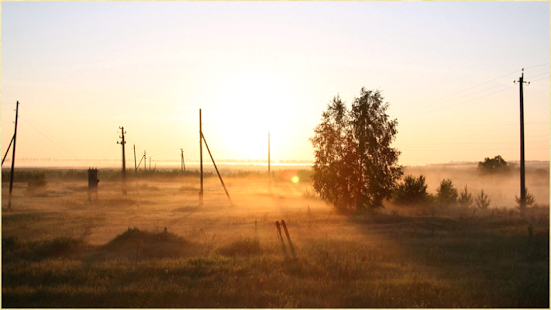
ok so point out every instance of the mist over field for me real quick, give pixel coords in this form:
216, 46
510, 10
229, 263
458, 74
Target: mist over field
156, 247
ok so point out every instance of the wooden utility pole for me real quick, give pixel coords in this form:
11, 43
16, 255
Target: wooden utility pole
522, 165
201, 157
13, 155
123, 162
269, 175
182, 164
144, 161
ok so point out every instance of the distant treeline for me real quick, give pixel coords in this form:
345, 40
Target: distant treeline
26, 175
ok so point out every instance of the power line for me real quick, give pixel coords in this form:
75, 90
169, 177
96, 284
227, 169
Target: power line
456, 104
458, 92
48, 138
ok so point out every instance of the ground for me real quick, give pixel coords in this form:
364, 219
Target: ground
156, 247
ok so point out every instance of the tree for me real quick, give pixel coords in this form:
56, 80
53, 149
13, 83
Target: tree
446, 194
465, 198
482, 201
413, 191
530, 200
493, 165
355, 167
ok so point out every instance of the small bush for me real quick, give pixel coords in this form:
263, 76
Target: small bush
465, 198
412, 191
482, 201
446, 194
530, 200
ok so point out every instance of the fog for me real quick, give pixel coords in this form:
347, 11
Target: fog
501, 188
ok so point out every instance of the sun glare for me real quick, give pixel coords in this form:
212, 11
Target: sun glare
253, 105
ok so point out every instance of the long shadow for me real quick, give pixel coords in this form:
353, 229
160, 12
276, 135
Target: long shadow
288, 238
284, 249
478, 248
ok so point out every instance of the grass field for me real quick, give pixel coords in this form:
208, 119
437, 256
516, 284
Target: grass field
156, 247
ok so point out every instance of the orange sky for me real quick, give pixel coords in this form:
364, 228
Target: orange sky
82, 69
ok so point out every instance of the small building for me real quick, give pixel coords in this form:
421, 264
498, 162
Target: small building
92, 182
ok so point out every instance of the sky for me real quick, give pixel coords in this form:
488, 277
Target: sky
81, 70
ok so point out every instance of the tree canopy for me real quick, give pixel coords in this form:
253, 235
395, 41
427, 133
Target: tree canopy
355, 167
493, 165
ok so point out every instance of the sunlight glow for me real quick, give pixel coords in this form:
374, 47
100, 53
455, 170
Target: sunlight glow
252, 105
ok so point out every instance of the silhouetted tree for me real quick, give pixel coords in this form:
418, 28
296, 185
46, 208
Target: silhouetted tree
530, 200
493, 165
446, 194
413, 191
355, 167
465, 198
482, 201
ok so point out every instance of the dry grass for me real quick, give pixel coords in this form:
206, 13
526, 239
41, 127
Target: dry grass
60, 250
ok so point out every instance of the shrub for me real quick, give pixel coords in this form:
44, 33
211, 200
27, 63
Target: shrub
446, 194
530, 200
482, 201
412, 191
465, 198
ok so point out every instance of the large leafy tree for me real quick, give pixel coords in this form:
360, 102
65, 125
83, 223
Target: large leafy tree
355, 167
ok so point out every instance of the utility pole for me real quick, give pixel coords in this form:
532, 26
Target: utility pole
269, 175
144, 161
13, 154
135, 164
522, 166
123, 162
182, 161
201, 157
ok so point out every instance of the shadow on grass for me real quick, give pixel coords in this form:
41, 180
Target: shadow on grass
490, 262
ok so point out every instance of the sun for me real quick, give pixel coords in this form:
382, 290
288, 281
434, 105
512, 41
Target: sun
253, 106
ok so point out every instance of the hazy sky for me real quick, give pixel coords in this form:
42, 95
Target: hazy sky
82, 69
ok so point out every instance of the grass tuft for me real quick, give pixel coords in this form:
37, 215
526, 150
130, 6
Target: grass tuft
246, 246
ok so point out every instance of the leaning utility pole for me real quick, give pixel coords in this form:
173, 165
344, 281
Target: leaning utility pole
135, 164
7, 151
123, 162
201, 157
13, 154
522, 166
